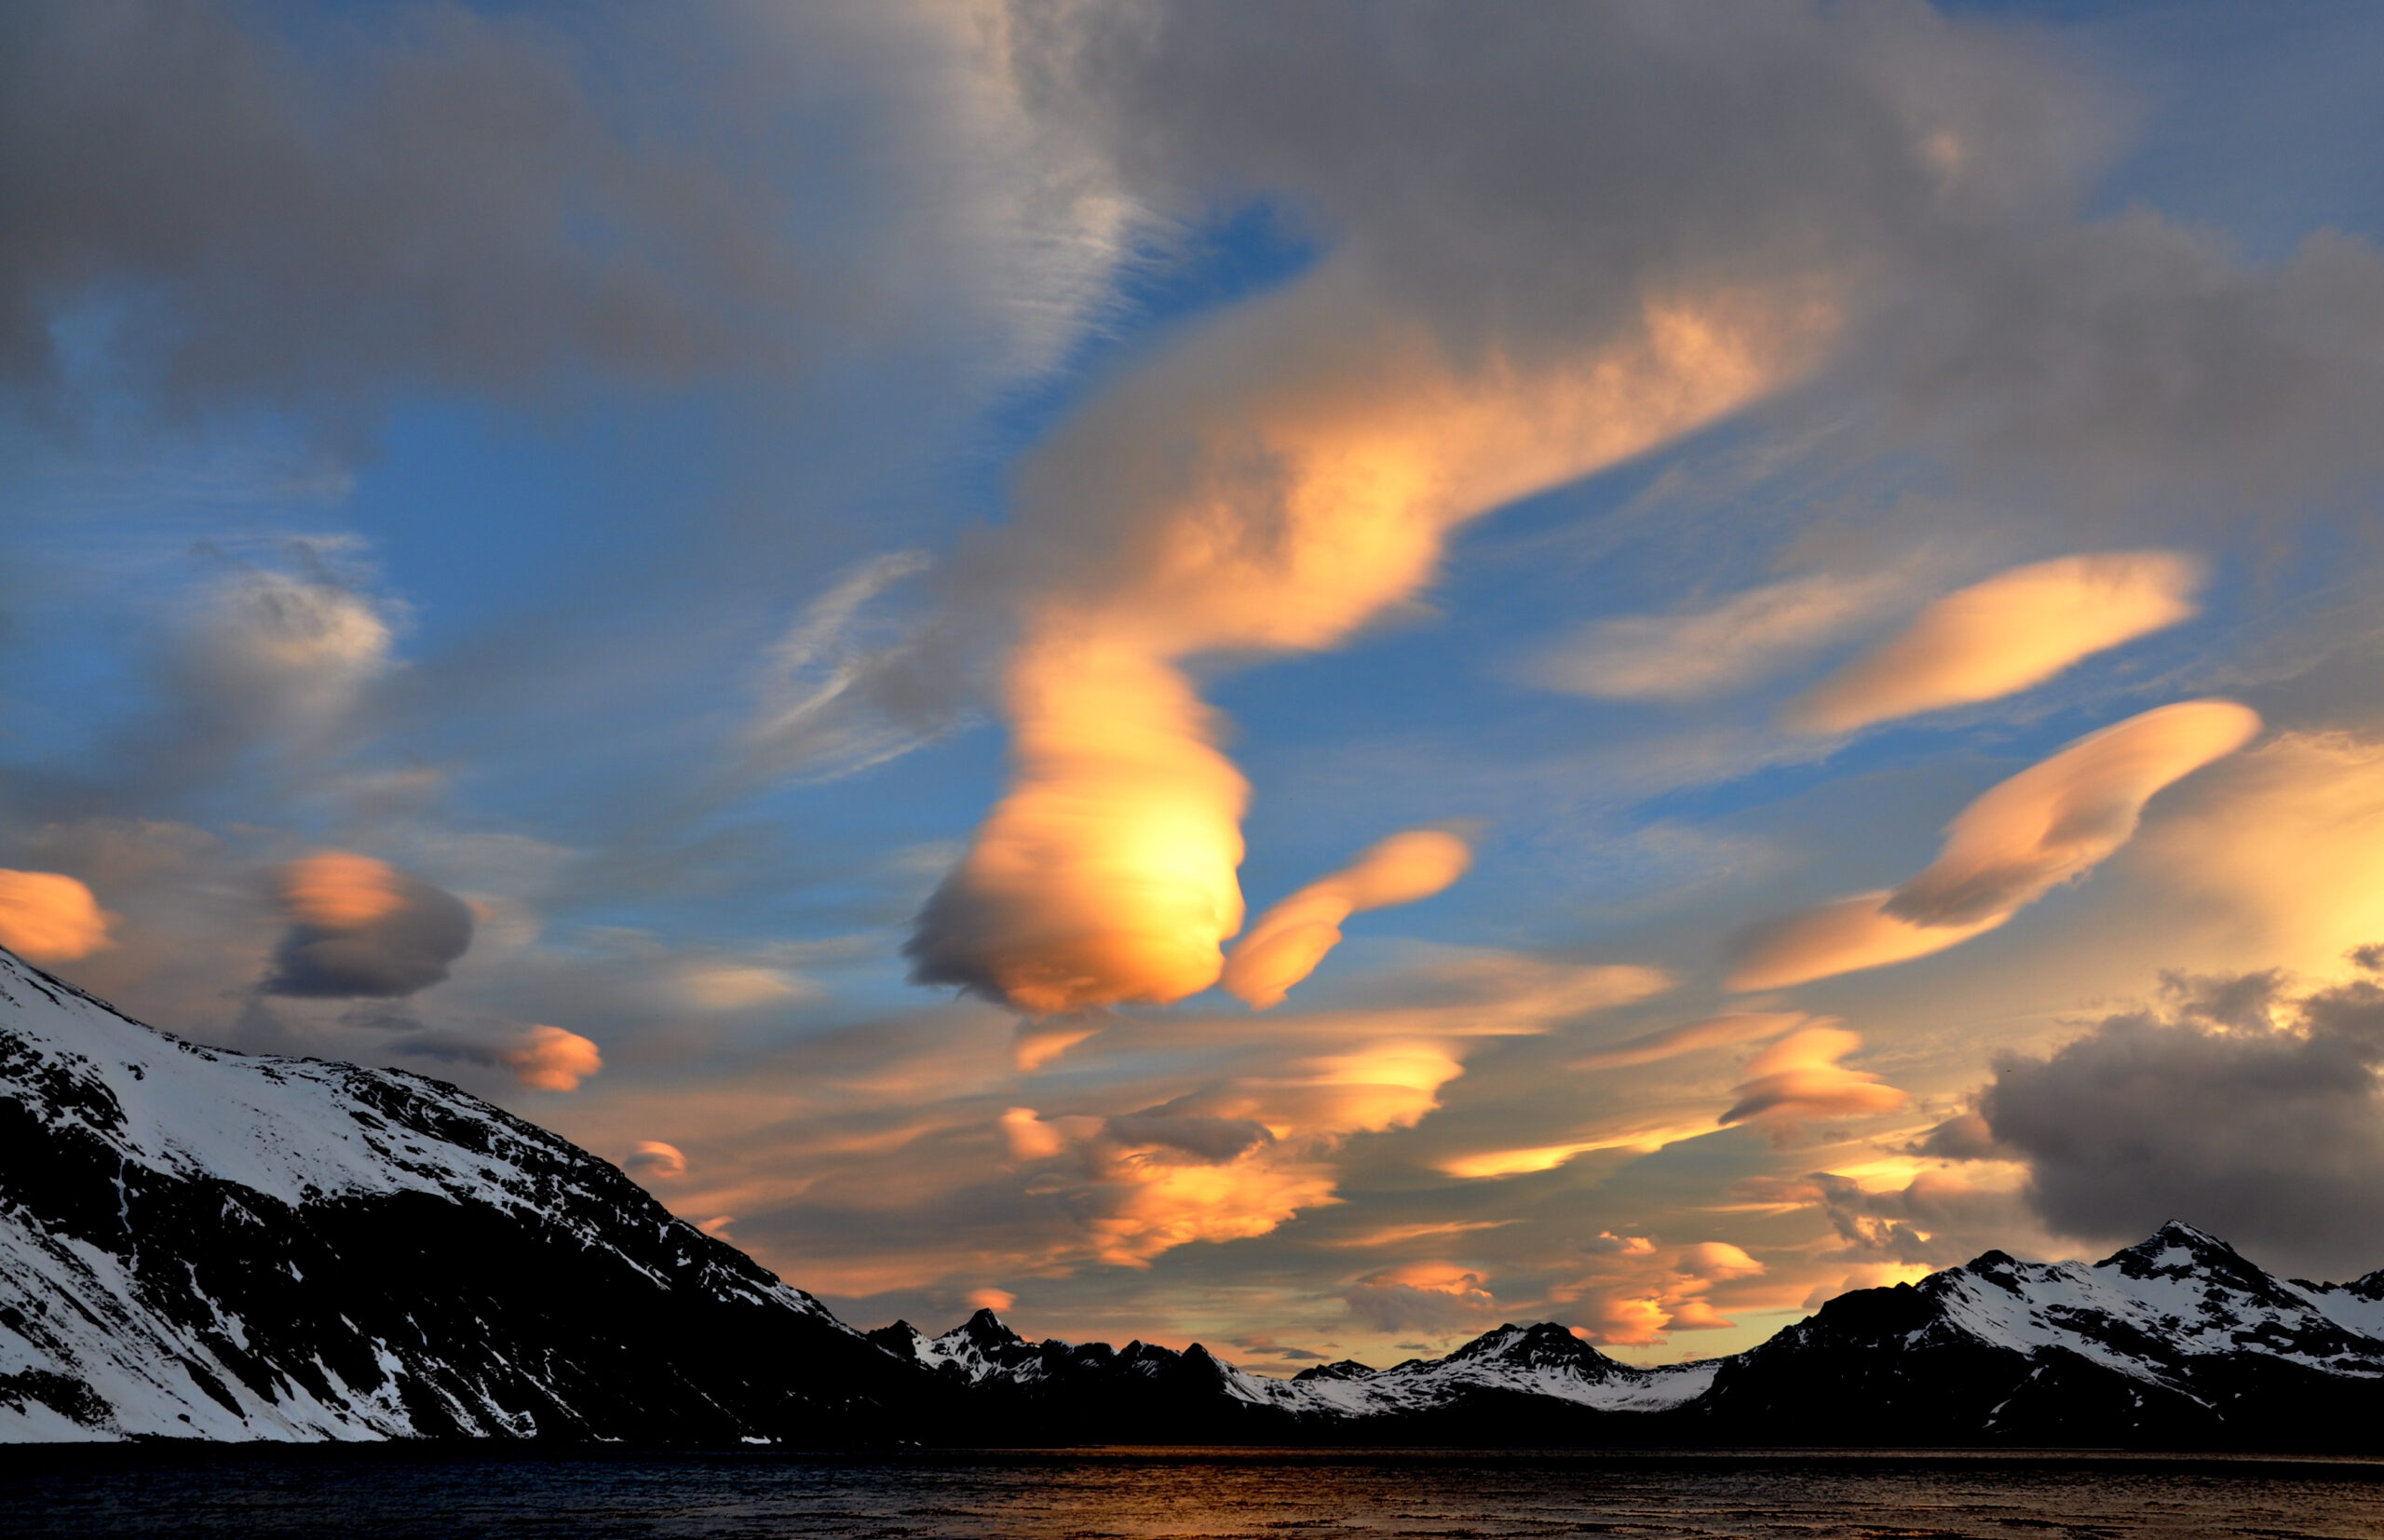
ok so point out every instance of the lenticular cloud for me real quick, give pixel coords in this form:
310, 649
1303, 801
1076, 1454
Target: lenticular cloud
1273, 486
2005, 635
48, 917
1290, 938
361, 929
2049, 824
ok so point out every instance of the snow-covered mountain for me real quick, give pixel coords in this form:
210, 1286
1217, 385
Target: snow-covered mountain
196, 1243
204, 1244
1541, 1375
2176, 1340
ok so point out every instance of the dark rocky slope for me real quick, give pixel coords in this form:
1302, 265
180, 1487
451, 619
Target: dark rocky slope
210, 1245
198, 1243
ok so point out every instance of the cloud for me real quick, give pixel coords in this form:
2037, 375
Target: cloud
2278, 849
1394, 1234
274, 661
2007, 634
1636, 1292
47, 917
1284, 477
1843, 937
361, 927
655, 1160
1291, 470
2051, 824
1934, 1218
1799, 1079
1644, 1138
2136, 363
2057, 820
2234, 1103
1232, 1161
438, 198
1431, 1299
551, 1058
833, 698
1690, 1037
1696, 655
542, 1057
1288, 941
1206, 1137
1453, 148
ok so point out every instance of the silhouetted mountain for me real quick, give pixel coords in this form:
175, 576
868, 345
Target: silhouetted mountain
202, 1243
2174, 1340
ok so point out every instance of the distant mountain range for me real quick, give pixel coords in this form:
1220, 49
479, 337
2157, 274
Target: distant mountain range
199, 1244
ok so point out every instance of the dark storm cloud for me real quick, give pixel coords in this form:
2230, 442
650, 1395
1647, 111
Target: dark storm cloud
2233, 1105
362, 929
263, 206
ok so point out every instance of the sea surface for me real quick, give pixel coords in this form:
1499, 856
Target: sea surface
1049, 1495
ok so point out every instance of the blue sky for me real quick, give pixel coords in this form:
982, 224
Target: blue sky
620, 482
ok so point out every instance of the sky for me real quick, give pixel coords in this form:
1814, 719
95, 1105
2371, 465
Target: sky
1307, 684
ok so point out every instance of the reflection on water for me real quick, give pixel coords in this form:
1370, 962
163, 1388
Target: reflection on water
1050, 1495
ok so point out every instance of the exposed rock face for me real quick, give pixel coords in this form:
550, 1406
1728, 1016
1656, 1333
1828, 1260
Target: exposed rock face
202, 1243
211, 1245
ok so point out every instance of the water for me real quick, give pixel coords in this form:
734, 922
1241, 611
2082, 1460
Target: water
1136, 1493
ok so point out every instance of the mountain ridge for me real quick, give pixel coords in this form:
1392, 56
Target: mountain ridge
202, 1243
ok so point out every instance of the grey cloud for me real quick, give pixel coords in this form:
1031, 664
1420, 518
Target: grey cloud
1929, 1222
1962, 1136
2134, 355
1524, 175
1389, 1307
310, 212
1521, 174
2233, 1105
1213, 1139
401, 953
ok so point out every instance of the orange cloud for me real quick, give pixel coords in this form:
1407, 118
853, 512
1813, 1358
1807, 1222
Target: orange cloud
652, 1157
2049, 824
1394, 1234
339, 890
551, 1058
1286, 477
2005, 635
1799, 1079
2282, 850
1844, 936
1149, 1182
1292, 937
1690, 1037
1645, 1137
359, 927
1636, 1293
48, 917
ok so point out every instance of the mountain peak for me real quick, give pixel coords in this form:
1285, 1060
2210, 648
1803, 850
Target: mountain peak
1541, 1344
2177, 1249
986, 1327
2177, 1232
1342, 1368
